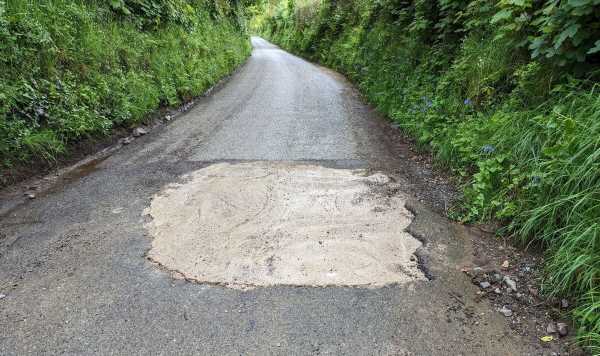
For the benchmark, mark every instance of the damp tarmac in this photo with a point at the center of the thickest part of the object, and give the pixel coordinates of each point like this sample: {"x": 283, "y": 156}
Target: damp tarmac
{"x": 151, "y": 250}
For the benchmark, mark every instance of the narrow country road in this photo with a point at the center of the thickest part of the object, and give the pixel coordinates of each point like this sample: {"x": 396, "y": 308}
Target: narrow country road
{"x": 279, "y": 216}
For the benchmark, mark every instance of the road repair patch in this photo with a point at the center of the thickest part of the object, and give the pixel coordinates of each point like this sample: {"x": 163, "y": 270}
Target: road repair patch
{"x": 267, "y": 223}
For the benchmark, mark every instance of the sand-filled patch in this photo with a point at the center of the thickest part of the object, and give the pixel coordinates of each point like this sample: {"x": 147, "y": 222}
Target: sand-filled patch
{"x": 266, "y": 223}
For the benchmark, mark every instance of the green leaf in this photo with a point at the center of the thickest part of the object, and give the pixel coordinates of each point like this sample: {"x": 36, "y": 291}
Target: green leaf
{"x": 502, "y": 15}
{"x": 577, "y": 3}
{"x": 548, "y": 9}
{"x": 568, "y": 32}
{"x": 536, "y": 43}
{"x": 521, "y": 3}
{"x": 594, "y": 49}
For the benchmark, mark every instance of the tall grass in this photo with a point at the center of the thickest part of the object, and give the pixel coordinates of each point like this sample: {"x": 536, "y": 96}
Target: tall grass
{"x": 70, "y": 70}
{"x": 523, "y": 134}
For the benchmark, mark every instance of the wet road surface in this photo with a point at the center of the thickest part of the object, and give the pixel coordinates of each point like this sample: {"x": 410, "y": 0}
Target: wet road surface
{"x": 73, "y": 261}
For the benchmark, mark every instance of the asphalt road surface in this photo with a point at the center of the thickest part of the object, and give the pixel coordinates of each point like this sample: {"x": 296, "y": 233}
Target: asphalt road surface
{"x": 77, "y": 280}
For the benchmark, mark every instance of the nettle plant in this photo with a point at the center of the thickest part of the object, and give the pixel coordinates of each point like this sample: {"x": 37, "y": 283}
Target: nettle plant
{"x": 567, "y": 32}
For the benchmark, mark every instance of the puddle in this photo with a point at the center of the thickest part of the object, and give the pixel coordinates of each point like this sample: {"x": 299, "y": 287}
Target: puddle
{"x": 84, "y": 169}
{"x": 265, "y": 223}
{"x": 10, "y": 201}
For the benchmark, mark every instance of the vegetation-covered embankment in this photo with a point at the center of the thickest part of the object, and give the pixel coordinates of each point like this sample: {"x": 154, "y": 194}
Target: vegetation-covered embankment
{"x": 71, "y": 70}
{"x": 503, "y": 92}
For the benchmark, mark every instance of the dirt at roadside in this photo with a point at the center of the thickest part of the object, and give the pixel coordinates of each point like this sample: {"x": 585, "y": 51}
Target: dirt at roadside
{"x": 27, "y": 175}
{"x": 510, "y": 278}
{"x": 498, "y": 264}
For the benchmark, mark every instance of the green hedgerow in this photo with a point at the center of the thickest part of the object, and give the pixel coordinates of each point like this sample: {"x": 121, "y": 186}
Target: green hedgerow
{"x": 504, "y": 93}
{"x": 71, "y": 70}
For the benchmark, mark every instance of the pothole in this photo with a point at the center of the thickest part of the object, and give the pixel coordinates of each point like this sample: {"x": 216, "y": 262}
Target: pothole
{"x": 266, "y": 223}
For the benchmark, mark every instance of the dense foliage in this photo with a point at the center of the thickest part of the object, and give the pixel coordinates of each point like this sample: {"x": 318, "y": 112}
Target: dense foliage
{"x": 505, "y": 94}
{"x": 75, "y": 69}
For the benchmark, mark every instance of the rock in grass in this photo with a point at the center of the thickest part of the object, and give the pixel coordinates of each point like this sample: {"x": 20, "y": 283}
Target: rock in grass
{"x": 563, "y": 329}
{"x": 551, "y": 328}
{"x": 484, "y": 285}
{"x": 2, "y": 296}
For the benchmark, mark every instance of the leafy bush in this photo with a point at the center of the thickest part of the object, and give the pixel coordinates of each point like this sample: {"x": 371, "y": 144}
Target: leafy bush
{"x": 76, "y": 69}
{"x": 565, "y": 30}
{"x": 504, "y": 92}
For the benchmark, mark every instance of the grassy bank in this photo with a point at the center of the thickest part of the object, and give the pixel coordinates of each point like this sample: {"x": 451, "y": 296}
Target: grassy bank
{"x": 504, "y": 93}
{"x": 72, "y": 70}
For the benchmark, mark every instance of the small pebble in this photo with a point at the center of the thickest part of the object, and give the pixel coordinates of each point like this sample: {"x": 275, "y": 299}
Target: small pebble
{"x": 2, "y": 296}
{"x": 510, "y": 283}
{"x": 484, "y": 285}
{"x": 563, "y": 329}
{"x": 505, "y": 311}
{"x": 477, "y": 271}
{"x": 127, "y": 140}
{"x": 139, "y": 131}
{"x": 551, "y": 328}
{"x": 534, "y": 291}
